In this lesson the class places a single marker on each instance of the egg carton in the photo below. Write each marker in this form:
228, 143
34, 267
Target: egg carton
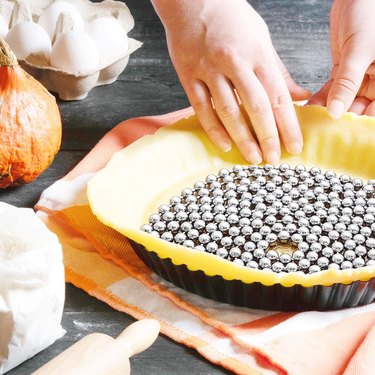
76, 86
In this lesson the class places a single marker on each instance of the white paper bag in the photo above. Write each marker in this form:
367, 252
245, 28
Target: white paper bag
32, 287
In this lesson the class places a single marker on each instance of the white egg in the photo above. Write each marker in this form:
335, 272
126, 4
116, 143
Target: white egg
3, 27
109, 35
75, 52
49, 17
28, 38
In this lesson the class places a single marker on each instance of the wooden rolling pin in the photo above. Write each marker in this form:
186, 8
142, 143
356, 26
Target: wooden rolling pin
100, 354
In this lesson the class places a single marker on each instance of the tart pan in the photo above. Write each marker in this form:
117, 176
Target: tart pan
256, 295
145, 174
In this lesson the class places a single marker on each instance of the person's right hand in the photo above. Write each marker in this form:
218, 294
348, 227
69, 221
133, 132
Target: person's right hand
222, 52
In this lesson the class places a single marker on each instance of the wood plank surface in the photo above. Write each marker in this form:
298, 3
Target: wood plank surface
149, 86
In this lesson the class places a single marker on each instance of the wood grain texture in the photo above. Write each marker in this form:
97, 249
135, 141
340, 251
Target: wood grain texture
149, 86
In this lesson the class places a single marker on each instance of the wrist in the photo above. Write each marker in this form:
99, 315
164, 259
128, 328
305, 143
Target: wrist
178, 12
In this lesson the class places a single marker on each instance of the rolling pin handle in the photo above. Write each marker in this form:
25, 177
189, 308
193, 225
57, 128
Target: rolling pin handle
139, 336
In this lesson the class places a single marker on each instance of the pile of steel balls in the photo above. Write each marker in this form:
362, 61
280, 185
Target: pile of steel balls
240, 215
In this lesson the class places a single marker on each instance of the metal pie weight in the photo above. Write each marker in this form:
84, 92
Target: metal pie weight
277, 219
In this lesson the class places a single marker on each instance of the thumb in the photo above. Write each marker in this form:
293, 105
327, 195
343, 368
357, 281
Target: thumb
347, 80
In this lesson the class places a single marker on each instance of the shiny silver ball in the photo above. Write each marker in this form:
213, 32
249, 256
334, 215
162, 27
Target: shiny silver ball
259, 253
180, 237
168, 216
238, 261
312, 256
298, 255
285, 258
180, 216
146, 228
240, 241
324, 240
187, 243
323, 262
284, 236
233, 218
216, 235
291, 267
327, 252
249, 246
160, 226
222, 252
358, 262
193, 234
199, 224
223, 226
264, 262
219, 218
186, 226
337, 246
349, 255
235, 252
246, 256
204, 238
226, 241
303, 246
360, 251
234, 231
316, 247
272, 254
256, 237
252, 264
314, 268
304, 263
337, 258
346, 265
200, 248
173, 226
247, 230
277, 267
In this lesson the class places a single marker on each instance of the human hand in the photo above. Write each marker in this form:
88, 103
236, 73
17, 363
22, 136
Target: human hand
223, 54
352, 83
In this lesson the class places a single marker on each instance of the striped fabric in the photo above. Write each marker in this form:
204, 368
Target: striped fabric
245, 341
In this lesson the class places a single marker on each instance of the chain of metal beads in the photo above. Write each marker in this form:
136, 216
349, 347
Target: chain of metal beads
240, 215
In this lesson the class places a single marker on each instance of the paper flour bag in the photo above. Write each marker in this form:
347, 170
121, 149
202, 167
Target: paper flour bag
32, 286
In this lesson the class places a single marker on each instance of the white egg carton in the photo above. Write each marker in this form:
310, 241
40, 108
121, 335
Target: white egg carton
76, 86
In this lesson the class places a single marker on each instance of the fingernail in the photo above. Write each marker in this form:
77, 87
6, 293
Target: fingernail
336, 108
254, 157
225, 146
272, 157
294, 148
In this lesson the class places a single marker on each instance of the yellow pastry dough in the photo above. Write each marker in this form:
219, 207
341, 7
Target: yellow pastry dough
145, 174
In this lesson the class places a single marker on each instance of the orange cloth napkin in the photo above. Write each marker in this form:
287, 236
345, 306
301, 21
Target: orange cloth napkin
245, 341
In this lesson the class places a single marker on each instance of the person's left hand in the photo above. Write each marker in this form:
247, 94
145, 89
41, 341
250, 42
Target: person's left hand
352, 83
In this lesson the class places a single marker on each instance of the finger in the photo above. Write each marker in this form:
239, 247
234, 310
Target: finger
320, 98
347, 81
200, 100
359, 105
297, 92
283, 109
258, 107
229, 112
370, 110
371, 69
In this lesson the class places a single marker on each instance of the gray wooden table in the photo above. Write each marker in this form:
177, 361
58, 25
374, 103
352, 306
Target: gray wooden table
149, 86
